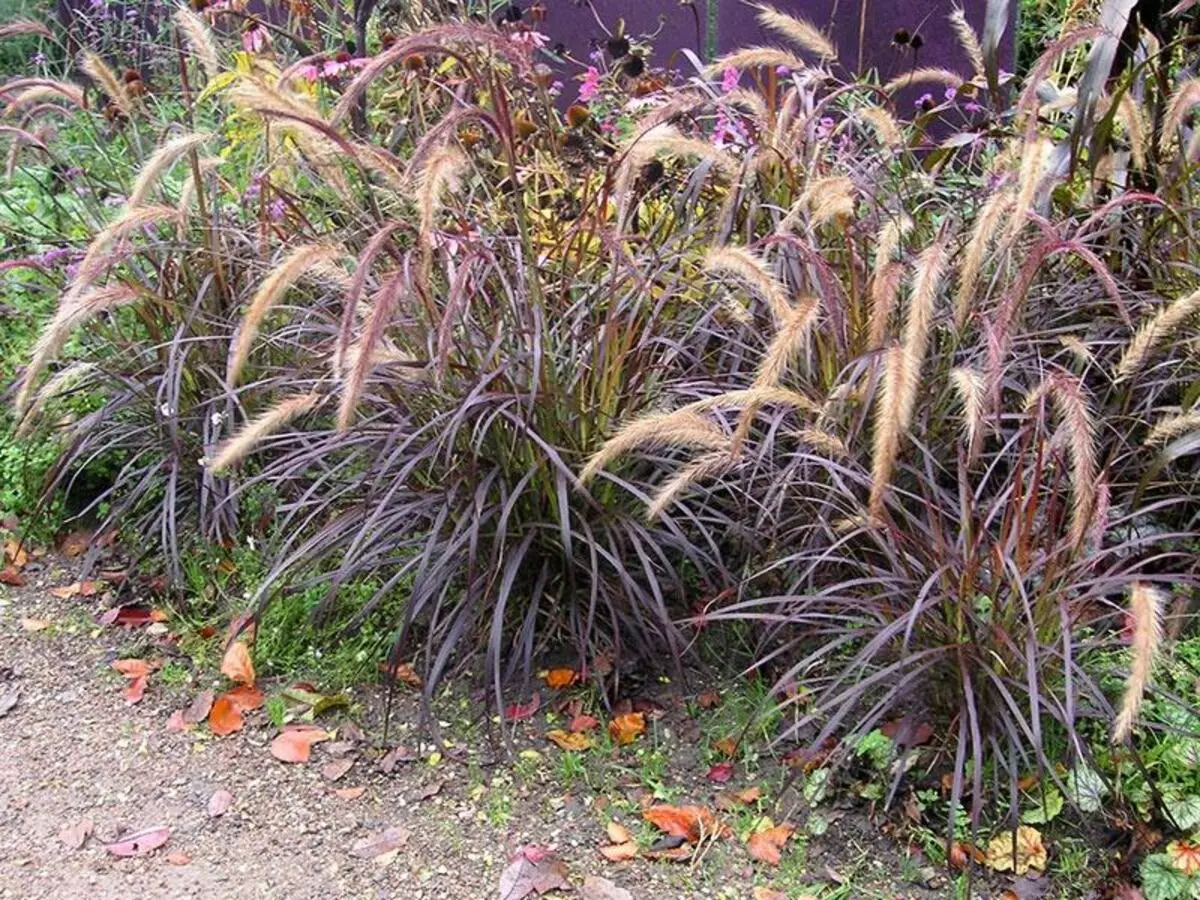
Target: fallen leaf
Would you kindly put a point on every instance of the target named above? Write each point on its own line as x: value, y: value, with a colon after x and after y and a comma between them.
x: 766, y: 845
x: 1029, y: 852
x: 394, y: 756
x: 515, y: 712
x: 671, y: 849
x: 617, y: 833
x: 135, y: 690
x: 245, y: 697
x: 709, y: 699
x: 335, y: 769
x: 622, y: 852
x: 11, y: 576
x: 597, y: 888
x: 582, y: 723
x: 728, y: 801
x: 726, y: 746
x: 34, y: 624
x: 132, y: 668
x: 225, y: 717
x: 76, y: 589
x: 199, y: 708
x: 721, y: 773
x: 236, y: 664
x: 219, y: 803
x: 402, y: 672
x: 140, y: 843
x: 766, y: 893
x: 561, y: 678
x: 532, y: 870
x: 7, y: 701
x: 687, y: 822
x: 176, y: 722
x: 386, y: 841
x: 569, y: 740
x: 178, y: 858
x: 429, y: 791
x: 76, y: 542
x: 294, y: 745
x: 627, y: 728
x: 132, y: 616
x: 14, y: 552
x: 350, y: 793
x: 77, y: 833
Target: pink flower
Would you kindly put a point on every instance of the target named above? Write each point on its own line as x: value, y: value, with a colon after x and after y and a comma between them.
x: 255, y: 39
x: 729, y: 80
x: 534, y: 40
x: 590, y: 86
x: 310, y: 71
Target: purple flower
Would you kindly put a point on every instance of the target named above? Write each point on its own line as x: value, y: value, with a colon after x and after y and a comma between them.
x: 825, y: 127
x: 255, y: 39
x: 951, y: 94
x: 924, y: 101
x: 38, y: 58
x: 277, y: 209
x: 590, y: 86
x: 310, y: 71
x: 729, y: 80
x: 783, y: 71
x: 972, y: 107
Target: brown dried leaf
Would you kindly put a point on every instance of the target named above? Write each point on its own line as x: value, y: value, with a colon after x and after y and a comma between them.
x: 219, y: 803
x: 236, y: 664
x: 140, y: 843
x: 225, y: 717
x: 11, y: 576
x: 34, y: 624
x: 199, y: 708
x: 350, y: 793
x: 245, y: 697
x: 622, y: 852
x: 627, y: 728
x: 569, y: 740
x: 597, y: 888
x: 135, y: 690
x: 335, y: 769
x: 617, y: 833
x: 294, y: 745
x: 687, y: 822
x: 77, y: 833
x: 386, y: 841
x: 767, y: 845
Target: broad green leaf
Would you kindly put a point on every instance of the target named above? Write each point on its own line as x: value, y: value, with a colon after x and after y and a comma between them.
x: 816, y: 825
x: 816, y: 786
x: 1184, y: 810
x: 1049, y: 803
x: 1161, y: 881
x: 1086, y: 788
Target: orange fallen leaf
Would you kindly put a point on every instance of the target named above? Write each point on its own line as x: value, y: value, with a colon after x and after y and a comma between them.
x: 14, y: 553
x: 236, y: 665
x: 131, y: 668
x: 687, y: 822
x: 75, y: 589
x: 569, y: 740
x: 767, y: 845
x: 178, y: 858
x: 11, y: 576
x: 402, y: 672
x: 627, y: 728
x: 350, y: 793
x: 295, y: 744
x: 561, y: 678
x: 620, y: 852
x: 224, y: 717
x: 617, y: 833
x: 581, y: 723
x: 34, y: 624
x: 728, y: 801
x: 76, y: 542
x: 245, y: 697
x: 726, y: 746
x: 135, y: 690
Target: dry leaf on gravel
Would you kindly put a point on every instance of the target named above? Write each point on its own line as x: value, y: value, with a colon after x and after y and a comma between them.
x: 199, y: 708
x: 15, y: 554
x: 597, y: 888
x: 721, y: 773
x: 140, y: 843
x: 176, y: 722
x: 532, y: 870
x: 294, y: 745
x: 395, y: 756
x: 179, y: 858
x: 728, y: 801
x: 515, y: 712
x: 132, y: 668
x: 402, y: 672
x: 387, y: 841
x: 75, y: 543
x: 582, y: 723
x: 617, y: 833
x: 687, y: 822
x: 622, y: 852
x: 430, y: 790
x: 1030, y: 852
x: 627, y: 728
x: 350, y: 793
x: 236, y: 664
x: 766, y: 845
x: 245, y: 697
x: 225, y: 717
x: 7, y: 701
x: 11, y: 576
x: 76, y: 589
x: 34, y: 624
x: 77, y: 833
x: 219, y: 803
x: 335, y: 769
x: 135, y: 690
x: 568, y: 740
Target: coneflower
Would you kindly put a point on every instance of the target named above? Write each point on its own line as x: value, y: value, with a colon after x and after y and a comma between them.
x: 680, y: 428
x: 239, y: 446
x: 73, y: 311
x: 802, y: 33
x: 159, y: 162
x: 1145, y: 613
x: 885, y: 442
x: 200, y: 41
x: 968, y: 40
x: 748, y: 268
x: 704, y: 468
x: 1160, y: 327
x: 277, y: 282
x: 97, y: 70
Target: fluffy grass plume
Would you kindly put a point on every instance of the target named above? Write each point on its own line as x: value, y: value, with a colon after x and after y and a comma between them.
x: 787, y: 344
x: 1033, y: 155
x: 61, y: 383
x: 983, y: 233
x: 926, y: 75
x: 970, y: 389
x: 1185, y: 96
x: 99, y: 254
x: 200, y: 41
x: 800, y: 32
x: 927, y: 279
x: 885, y: 277
x: 756, y: 396
x: 23, y: 92
x: 709, y: 466
x: 750, y: 269
x: 681, y: 428
x: 755, y: 58
x: 73, y: 311
x: 159, y: 162
x: 642, y: 148
x: 24, y: 26
x: 968, y: 40
x: 278, y: 280
x: 884, y: 123
x: 104, y: 77
x: 440, y: 174
x: 1145, y: 613
x: 1171, y: 427
x: 885, y: 440
x: 241, y: 444
x: 1078, y: 430
x: 1159, y: 327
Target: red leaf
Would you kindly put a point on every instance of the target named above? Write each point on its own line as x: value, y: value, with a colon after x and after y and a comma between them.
x: 219, y: 803
x: 199, y: 708
x: 140, y: 843
x: 225, y: 717
x: 295, y: 746
x: 10, y: 576
x: 532, y: 871
x: 518, y: 711
x: 581, y: 723
x: 721, y: 772
x: 245, y: 697
x: 135, y: 690
x: 132, y: 668
x: 767, y: 845
x: 687, y: 822
x: 132, y: 616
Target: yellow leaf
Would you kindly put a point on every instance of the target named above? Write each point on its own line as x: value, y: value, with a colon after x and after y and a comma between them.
x: 216, y: 85
x: 568, y: 741
x: 561, y: 678
x: 627, y: 728
x: 1028, y: 853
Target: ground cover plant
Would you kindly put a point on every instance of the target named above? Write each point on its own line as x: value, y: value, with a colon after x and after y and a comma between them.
x: 530, y: 362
